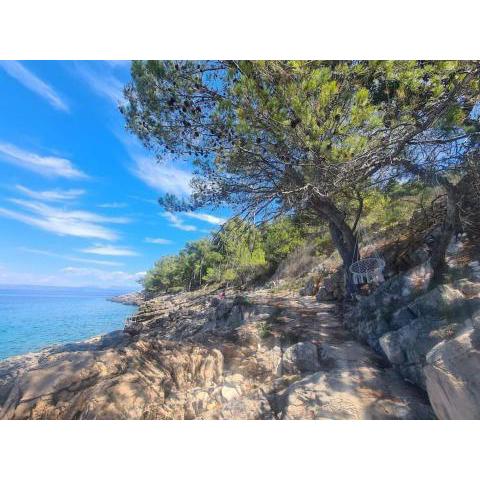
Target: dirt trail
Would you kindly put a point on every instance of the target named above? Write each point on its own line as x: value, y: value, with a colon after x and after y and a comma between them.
x: 350, y: 381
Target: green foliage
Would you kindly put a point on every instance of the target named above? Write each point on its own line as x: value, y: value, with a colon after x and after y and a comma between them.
x: 312, y: 138
x: 280, y: 238
x: 163, y: 276
x: 264, y: 329
x: 238, y: 254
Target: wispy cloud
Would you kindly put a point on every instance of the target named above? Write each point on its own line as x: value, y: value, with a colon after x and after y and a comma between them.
x: 158, y: 241
x: 113, y: 278
x: 51, y: 195
x: 114, y: 205
x: 76, y: 223
x: 205, y: 217
x: 162, y: 177
x: 33, y: 83
x: 101, y: 80
x: 70, y: 258
x: 82, y: 215
x: 110, y: 250
x: 176, y: 222
x: 44, y: 165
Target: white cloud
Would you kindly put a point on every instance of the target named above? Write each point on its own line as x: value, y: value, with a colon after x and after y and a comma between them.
x: 47, y: 166
x: 70, y: 258
x: 77, y: 223
x: 114, y: 205
x: 82, y: 215
x: 158, y: 241
x: 162, y: 177
x: 104, y: 276
x: 51, y: 195
x: 110, y: 250
x: 205, y: 217
x: 33, y: 83
x: 176, y: 222
x: 101, y: 80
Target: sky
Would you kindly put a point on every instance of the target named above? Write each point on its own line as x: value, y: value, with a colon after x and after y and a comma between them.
x: 78, y: 193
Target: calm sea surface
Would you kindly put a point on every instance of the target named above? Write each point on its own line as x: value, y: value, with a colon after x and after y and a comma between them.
x: 32, y: 318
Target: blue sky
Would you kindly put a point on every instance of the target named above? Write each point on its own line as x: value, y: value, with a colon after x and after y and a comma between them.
x: 78, y: 194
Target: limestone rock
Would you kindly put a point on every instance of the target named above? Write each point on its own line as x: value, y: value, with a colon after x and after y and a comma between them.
x: 133, y: 298
x: 372, y: 317
x: 144, y: 378
x: 353, y: 393
x: 299, y: 358
x: 346, y: 353
x: 196, y: 357
x: 474, y: 270
x: 407, y: 347
x: 438, y: 302
x: 254, y: 406
x: 324, y: 296
x: 453, y: 376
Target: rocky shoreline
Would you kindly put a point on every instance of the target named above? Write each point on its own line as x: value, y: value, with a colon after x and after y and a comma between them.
x: 132, y: 298
x: 196, y: 356
x: 268, y: 354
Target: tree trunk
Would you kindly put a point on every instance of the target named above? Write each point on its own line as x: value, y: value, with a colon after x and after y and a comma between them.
x: 348, y: 253
x: 343, y: 237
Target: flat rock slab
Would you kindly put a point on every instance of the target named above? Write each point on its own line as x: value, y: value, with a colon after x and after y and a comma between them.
x: 355, y: 393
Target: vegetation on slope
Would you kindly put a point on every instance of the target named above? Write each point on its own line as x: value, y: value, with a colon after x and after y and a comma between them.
x: 313, y: 140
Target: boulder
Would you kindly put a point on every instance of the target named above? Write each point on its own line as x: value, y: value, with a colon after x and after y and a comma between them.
x: 357, y: 392
x: 453, y: 376
x: 324, y: 296
x: 373, y: 315
x: 407, y: 347
x: 299, y: 358
x: 441, y: 301
x: 310, y: 288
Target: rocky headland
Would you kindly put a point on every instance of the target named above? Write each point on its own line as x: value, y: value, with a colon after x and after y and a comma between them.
x: 132, y: 298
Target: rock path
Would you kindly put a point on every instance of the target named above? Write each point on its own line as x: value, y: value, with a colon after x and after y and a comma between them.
x: 265, y: 356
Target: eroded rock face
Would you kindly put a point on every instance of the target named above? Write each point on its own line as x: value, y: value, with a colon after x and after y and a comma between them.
x: 453, y: 376
x: 146, y: 378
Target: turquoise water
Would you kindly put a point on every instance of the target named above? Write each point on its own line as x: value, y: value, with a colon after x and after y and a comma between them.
x: 34, y: 318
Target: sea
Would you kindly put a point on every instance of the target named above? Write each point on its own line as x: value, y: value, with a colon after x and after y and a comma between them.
x: 32, y: 318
